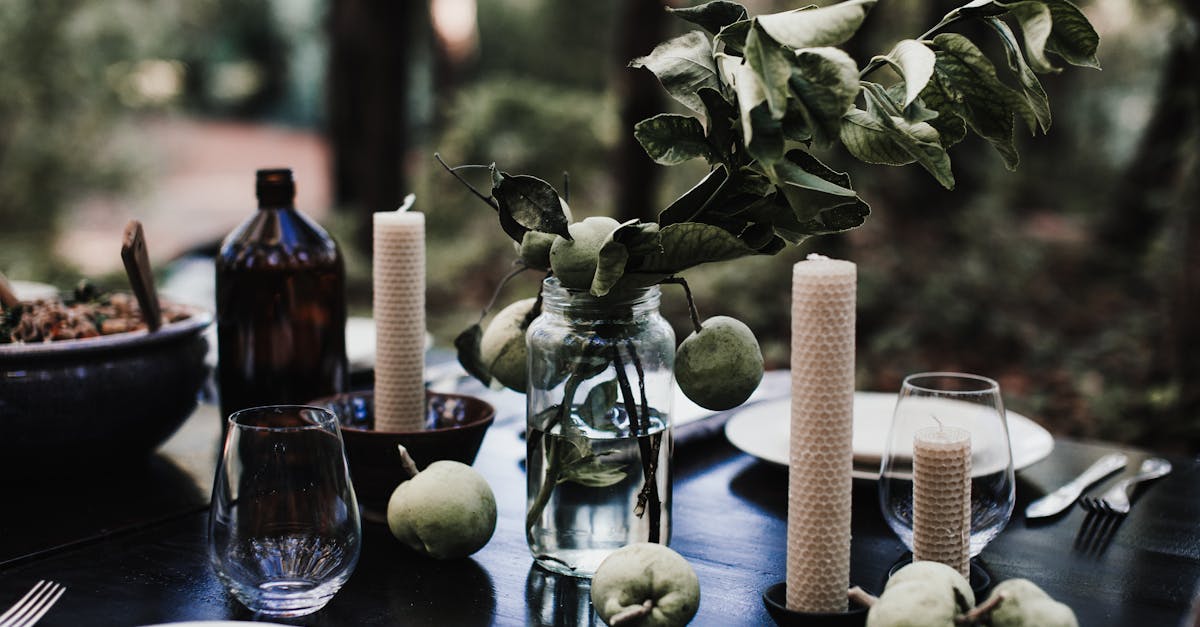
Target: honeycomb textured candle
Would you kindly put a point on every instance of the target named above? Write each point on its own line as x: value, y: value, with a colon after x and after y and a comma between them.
x: 942, y: 497
x: 821, y: 448
x: 399, y: 303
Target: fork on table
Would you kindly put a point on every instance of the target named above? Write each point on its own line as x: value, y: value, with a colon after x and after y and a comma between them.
x: 1106, y: 512
x: 33, y: 605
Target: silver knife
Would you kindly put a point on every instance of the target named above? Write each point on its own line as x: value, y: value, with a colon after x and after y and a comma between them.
x: 1065, y: 496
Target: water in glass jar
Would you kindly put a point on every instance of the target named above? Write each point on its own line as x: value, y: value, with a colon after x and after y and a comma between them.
x: 588, y: 491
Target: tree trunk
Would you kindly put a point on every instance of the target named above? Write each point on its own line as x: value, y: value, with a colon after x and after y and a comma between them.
x: 374, y: 49
x: 642, y: 26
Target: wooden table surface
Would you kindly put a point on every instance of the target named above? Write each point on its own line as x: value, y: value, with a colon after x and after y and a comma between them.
x: 130, y: 544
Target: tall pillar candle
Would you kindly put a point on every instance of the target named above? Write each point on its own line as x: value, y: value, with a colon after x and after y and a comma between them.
x: 821, y: 447
x: 399, y: 304
x: 942, y: 497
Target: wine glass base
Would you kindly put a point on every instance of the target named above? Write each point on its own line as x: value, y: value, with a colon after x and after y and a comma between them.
x: 980, y: 579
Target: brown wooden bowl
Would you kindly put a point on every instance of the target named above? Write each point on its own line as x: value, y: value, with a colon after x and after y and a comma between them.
x: 455, y: 426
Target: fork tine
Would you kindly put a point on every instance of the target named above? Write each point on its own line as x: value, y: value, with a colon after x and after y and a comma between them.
x: 47, y: 603
x: 20, y: 604
x: 33, y: 605
x: 1087, y: 528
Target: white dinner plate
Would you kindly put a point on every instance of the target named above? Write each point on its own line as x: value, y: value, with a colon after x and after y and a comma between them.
x: 762, y: 430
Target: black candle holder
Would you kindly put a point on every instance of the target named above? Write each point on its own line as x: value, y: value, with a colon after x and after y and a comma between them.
x: 775, y: 598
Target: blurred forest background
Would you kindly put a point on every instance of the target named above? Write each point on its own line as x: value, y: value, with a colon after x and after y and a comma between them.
x: 1074, y: 281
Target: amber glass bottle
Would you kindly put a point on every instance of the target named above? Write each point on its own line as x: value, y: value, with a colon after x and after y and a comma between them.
x: 281, y: 305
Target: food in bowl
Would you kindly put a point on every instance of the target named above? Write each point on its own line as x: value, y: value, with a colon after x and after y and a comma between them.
x: 82, y: 316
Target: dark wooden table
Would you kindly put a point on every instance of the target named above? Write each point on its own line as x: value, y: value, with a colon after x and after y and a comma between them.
x: 130, y: 545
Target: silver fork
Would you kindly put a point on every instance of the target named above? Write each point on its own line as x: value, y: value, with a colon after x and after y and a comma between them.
x: 1116, y: 500
x: 33, y: 605
x: 1106, y: 512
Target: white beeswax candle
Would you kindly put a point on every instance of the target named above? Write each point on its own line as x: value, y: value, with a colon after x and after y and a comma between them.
x: 821, y: 447
x: 399, y: 305
x: 942, y: 497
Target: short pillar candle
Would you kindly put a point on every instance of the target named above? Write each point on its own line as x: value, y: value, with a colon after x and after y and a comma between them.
x: 822, y: 425
x: 399, y: 310
x: 942, y: 497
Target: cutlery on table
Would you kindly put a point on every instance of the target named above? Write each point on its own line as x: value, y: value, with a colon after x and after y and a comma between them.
x: 1116, y: 499
x: 1106, y: 512
x: 33, y: 605
x: 1062, y: 498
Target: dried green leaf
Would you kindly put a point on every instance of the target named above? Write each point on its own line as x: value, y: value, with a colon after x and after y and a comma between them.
x: 914, y: 61
x: 598, y: 404
x: 825, y: 83
x: 773, y: 63
x: 1072, y: 36
x: 1036, y: 25
x: 761, y: 133
x: 712, y: 16
x: 687, y: 207
x: 971, y: 89
x: 720, y: 116
x: 1035, y: 95
x: 808, y: 185
x: 631, y: 238
x: 733, y: 36
x: 810, y: 28
x: 882, y: 135
x: 579, y: 465
x: 671, y: 139
x: 531, y: 204
x: 683, y: 65
x: 689, y: 244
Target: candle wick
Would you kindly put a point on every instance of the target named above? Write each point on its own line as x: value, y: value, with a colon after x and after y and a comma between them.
x: 409, y: 200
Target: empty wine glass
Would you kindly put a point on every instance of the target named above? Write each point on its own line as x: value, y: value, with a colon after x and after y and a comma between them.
x: 284, y: 530
x: 949, y: 399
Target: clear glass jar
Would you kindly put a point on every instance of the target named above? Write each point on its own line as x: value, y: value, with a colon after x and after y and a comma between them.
x: 598, y: 431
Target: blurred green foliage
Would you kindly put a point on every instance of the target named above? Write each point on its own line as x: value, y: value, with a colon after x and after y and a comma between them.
x: 1005, y: 276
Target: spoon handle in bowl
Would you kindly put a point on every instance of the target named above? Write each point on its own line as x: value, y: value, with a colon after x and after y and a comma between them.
x: 137, y: 266
x: 8, y: 298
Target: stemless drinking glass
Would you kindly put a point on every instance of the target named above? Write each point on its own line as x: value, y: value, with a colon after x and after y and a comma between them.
x: 284, y: 532
x: 949, y: 399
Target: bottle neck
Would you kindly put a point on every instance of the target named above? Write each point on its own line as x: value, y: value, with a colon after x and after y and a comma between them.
x: 582, y: 305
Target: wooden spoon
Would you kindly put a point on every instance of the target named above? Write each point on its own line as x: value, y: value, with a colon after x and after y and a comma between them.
x: 137, y: 267
x: 8, y: 298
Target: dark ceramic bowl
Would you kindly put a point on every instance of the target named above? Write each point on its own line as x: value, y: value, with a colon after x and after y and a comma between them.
x: 775, y: 599
x: 455, y: 426
x: 106, y: 399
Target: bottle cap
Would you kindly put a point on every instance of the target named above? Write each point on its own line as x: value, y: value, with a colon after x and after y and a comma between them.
x: 275, y: 187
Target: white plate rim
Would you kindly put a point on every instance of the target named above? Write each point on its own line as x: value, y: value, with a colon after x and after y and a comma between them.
x: 1031, y: 442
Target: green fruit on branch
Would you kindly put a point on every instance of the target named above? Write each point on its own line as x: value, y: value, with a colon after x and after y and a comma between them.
x: 446, y: 511
x: 502, y: 347
x: 645, y: 585
x: 534, y: 249
x: 574, y: 260
x: 720, y: 366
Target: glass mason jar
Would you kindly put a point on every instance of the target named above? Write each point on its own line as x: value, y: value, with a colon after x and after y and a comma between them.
x: 598, y: 461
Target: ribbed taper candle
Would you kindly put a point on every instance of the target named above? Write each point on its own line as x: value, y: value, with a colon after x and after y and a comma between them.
x: 821, y: 447
x: 399, y: 305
